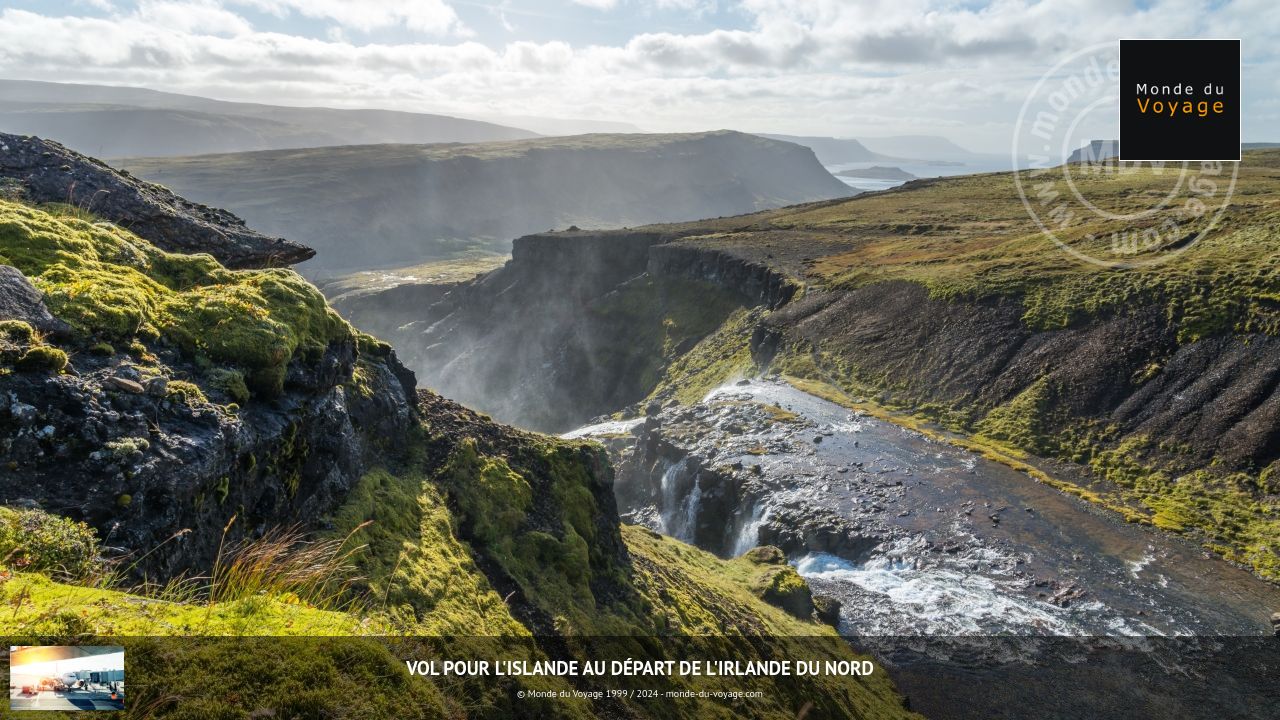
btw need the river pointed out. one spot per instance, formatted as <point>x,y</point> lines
<point>918,538</point>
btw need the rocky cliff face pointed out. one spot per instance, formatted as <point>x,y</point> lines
<point>379,206</point>
<point>151,394</point>
<point>577,323</point>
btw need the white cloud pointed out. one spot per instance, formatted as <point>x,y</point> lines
<point>800,66</point>
<point>192,16</point>
<point>597,4</point>
<point>426,16</point>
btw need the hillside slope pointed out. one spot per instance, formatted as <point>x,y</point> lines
<point>1152,391</point>
<point>197,451</point>
<point>365,207</point>
<point>109,121</point>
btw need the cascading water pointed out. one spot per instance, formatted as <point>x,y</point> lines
<point>671,496</point>
<point>749,533</point>
<point>914,536</point>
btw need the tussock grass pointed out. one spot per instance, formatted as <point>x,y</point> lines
<point>285,563</point>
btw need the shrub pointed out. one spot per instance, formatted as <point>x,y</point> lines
<point>42,358</point>
<point>38,541</point>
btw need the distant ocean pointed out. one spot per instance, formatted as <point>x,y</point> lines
<point>921,169</point>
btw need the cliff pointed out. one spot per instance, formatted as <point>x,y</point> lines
<point>1150,391</point>
<point>41,171</point>
<point>379,206</point>
<point>192,450</point>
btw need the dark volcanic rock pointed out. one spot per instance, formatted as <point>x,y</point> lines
<point>20,300</point>
<point>142,466</point>
<point>48,172</point>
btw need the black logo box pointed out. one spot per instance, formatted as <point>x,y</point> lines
<point>1180,65</point>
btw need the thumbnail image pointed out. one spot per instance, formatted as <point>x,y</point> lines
<point>66,677</point>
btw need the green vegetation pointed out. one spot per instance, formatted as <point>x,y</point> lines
<point>649,324</point>
<point>113,286</point>
<point>719,357</point>
<point>36,541</point>
<point>42,358</point>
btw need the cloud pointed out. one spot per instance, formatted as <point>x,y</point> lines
<point>192,16</point>
<point>801,66</point>
<point>426,16</point>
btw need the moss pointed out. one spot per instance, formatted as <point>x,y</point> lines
<point>34,540</point>
<point>124,500</point>
<point>42,358</point>
<point>185,392</point>
<point>126,448</point>
<point>1023,420</point>
<point>18,331</point>
<point>231,382</point>
<point>370,345</point>
<point>716,359</point>
<point>102,349</point>
<point>110,285</point>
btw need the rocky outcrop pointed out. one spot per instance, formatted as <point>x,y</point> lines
<point>577,324</point>
<point>42,171</point>
<point>761,284</point>
<point>377,206</point>
<point>141,457</point>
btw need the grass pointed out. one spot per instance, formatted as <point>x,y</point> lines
<point>285,563</point>
<point>969,238</point>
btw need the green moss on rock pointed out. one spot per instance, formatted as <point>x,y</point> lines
<point>42,358</point>
<point>110,285</point>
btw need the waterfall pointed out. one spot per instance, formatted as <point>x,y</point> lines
<point>670,492</point>
<point>749,534</point>
<point>689,526</point>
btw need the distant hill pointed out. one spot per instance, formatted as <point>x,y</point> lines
<point>379,206</point>
<point>1096,151</point>
<point>832,151</point>
<point>920,147</point>
<point>879,172</point>
<point>107,121</point>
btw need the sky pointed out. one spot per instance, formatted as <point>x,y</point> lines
<point>807,67</point>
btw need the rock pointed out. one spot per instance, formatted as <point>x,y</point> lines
<point>20,300</point>
<point>1275,623</point>
<point>827,609</point>
<point>125,384</point>
<point>766,555</point>
<point>150,211</point>
<point>157,386</point>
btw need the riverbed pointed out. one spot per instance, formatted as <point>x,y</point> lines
<point>940,541</point>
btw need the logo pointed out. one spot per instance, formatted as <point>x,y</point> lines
<point>1096,207</point>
